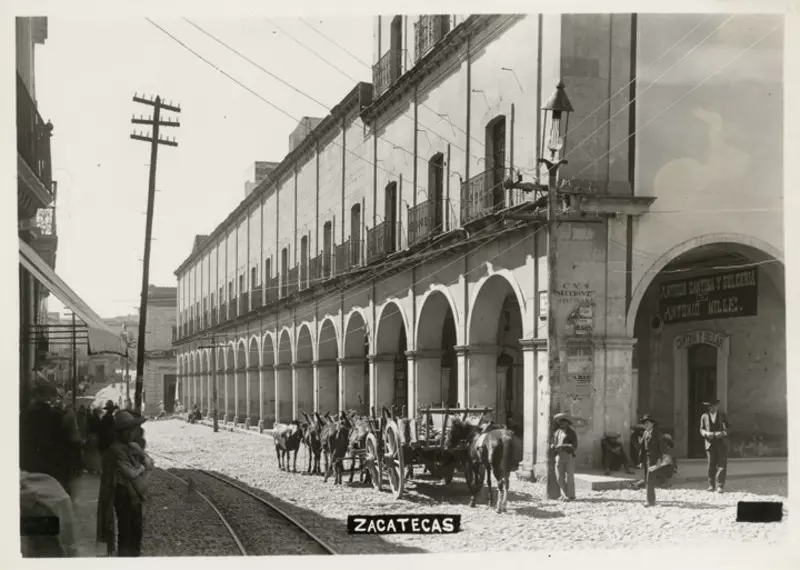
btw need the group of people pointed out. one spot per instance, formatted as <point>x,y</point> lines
<point>653,450</point>
<point>57,445</point>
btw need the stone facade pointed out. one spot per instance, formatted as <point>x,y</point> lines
<point>404,282</point>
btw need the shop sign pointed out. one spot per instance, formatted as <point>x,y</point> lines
<point>713,296</point>
<point>172,353</point>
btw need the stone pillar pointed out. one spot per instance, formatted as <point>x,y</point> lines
<point>482,389</point>
<point>261,399</point>
<point>428,375</point>
<point>381,372</point>
<point>327,385</point>
<point>315,385</point>
<point>303,379</point>
<point>543,420</point>
<point>284,393</point>
<point>351,382</point>
<point>531,348</point>
<point>237,375</point>
<point>200,390</point>
<point>462,362</point>
<point>618,386</point>
<point>251,375</point>
<point>411,355</point>
<point>228,414</point>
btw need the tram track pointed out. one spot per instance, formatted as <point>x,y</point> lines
<point>256,524</point>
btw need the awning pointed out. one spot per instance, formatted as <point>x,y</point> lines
<point>101,338</point>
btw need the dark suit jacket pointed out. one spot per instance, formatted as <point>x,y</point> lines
<point>707,427</point>
<point>651,447</point>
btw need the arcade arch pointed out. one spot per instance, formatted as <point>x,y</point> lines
<point>435,359</point>
<point>327,368</point>
<point>284,393</point>
<point>304,373</point>
<point>391,362</point>
<point>355,365</point>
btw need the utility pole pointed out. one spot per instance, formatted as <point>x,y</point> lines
<point>156,123</point>
<point>214,412</point>
<point>74,364</point>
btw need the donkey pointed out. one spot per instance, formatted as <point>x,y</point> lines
<point>313,443</point>
<point>287,439</point>
<point>335,440</point>
<point>492,447</point>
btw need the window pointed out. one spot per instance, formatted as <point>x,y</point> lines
<point>230,290</point>
<point>303,261</point>
<point>221,295</point>
<point>270,292</point>
<point>355,234</point>
<point>253,277</point>
<point>436,191</point>
<point>241,283</point>
<point>327,245</point>
<point>284,271</point>
<point>212,301</point>
<point>496,160</point>
<point>390,216</point>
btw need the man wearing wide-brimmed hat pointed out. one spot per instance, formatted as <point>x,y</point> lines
<point>650,454</point>
<point>564,444</point>
<point>121,490</point>
<point>105,432</point>
<point>714,430</point>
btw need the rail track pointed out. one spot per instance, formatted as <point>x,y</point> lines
<point>251,536</point>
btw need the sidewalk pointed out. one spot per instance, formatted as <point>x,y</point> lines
<point>85,491</point>
<point>689,471</point>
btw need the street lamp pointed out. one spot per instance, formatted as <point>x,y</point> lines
<point>554,135</point>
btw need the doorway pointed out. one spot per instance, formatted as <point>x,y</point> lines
<point>401,373</point>
<point>170,383</point>
<point>702,359</point>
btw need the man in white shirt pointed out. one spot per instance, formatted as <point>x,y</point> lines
<point>714,430</point>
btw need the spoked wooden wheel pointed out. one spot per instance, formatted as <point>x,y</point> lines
<point>374,463</point>
<point>393,458</point>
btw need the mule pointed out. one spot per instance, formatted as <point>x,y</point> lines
<point>335,442</point>
<point>287,438</point>
<point>491,448</point>
<point>313,442</point>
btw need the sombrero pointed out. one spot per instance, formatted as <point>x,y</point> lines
<point>109,405</point>
<point>562,416</point>
<point>126,420</point>
<point>647,418</point>
<point>714,402</point>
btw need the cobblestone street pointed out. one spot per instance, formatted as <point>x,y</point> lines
<point>686,516</point>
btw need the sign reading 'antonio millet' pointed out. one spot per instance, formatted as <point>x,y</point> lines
<point>716,296</point>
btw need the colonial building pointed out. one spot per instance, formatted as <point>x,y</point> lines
<point>384,260</point>
<point>160,369</point>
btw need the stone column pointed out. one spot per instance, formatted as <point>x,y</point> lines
<point>381,376</point>
<point>618,387</point>
<point>482,388</point>
<point>462,362</point>
<point>284,388</point>
<point>200,389</point>
<point>303,379</point>
<point>543,420</point>
<point>531,348</point>
<point>237,375</point>
<point>351,375</point>
<point>252,373</point>
<point>327,385</point>
<point>260,399</point>
<point>228,414</point>
<point>411,355</point>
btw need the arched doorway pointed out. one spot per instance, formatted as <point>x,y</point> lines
<point>240,384</point>
<point>304,373</point>
<point>267,402</point>
<point>327,368</point>
<point>391,363</point>
<point>435,360</point>
<point>355,393</point>
<point>283,379</point>
<point>252,387</point>
<point>495,355</point>
<point>711,324</point>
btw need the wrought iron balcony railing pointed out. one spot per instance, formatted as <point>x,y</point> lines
<point>342,258</point>
<point>381,240</point>
<point>257,296</point>
<point>33,136</point>
<point>293,280</point>
<point>271,289</point>
<point>484,194</point>
<point>389,68</point>
<point>244,303</point>
<point>428,30</point>
<point>424,221</point>
<point>314,270</point>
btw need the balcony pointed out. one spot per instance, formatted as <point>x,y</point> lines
<point>33,149</point>
<point>484,194</point>
<point>423,221</point>
<point>388,70</point>
<point>381,240</point>
<point>244,303</point>
<point>428,30</point>
<point>233,308</point>
<point>314,270</point>
<point>271,290</point>
<point>344,257</point>
<point>257,295</point>
<point>214,320</point>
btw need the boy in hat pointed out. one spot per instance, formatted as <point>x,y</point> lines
<point>714,430</point>
<point>650,455</point>
<point>564,444</point>
<point>121,487</point>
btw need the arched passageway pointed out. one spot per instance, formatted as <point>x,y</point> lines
<point>284,393</point>
<point>267,405</point>
<point>327,368</point>
<point>354,389</point>
<point>495,355</point>
<point>391,363</point>
<point>201,380</point>
<point>228,383</point>
<point>304,374</point>
<point>252,385</point>
<point>207,405</point>
<point>712,324</point>
<point>240,384</point>
<point>436,364</point>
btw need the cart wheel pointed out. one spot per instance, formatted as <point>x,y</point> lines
<point>393,458</point>
<point>373,460</point>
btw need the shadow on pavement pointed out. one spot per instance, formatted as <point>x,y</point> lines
<point>333,531</point>
<point>667,503</point>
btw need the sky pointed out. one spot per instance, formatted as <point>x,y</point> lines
<point>86,75</point>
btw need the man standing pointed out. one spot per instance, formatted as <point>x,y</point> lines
<point>564,444</point>
<point>714,430</point>
<point>650,455</point>
<point>106,432</point>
